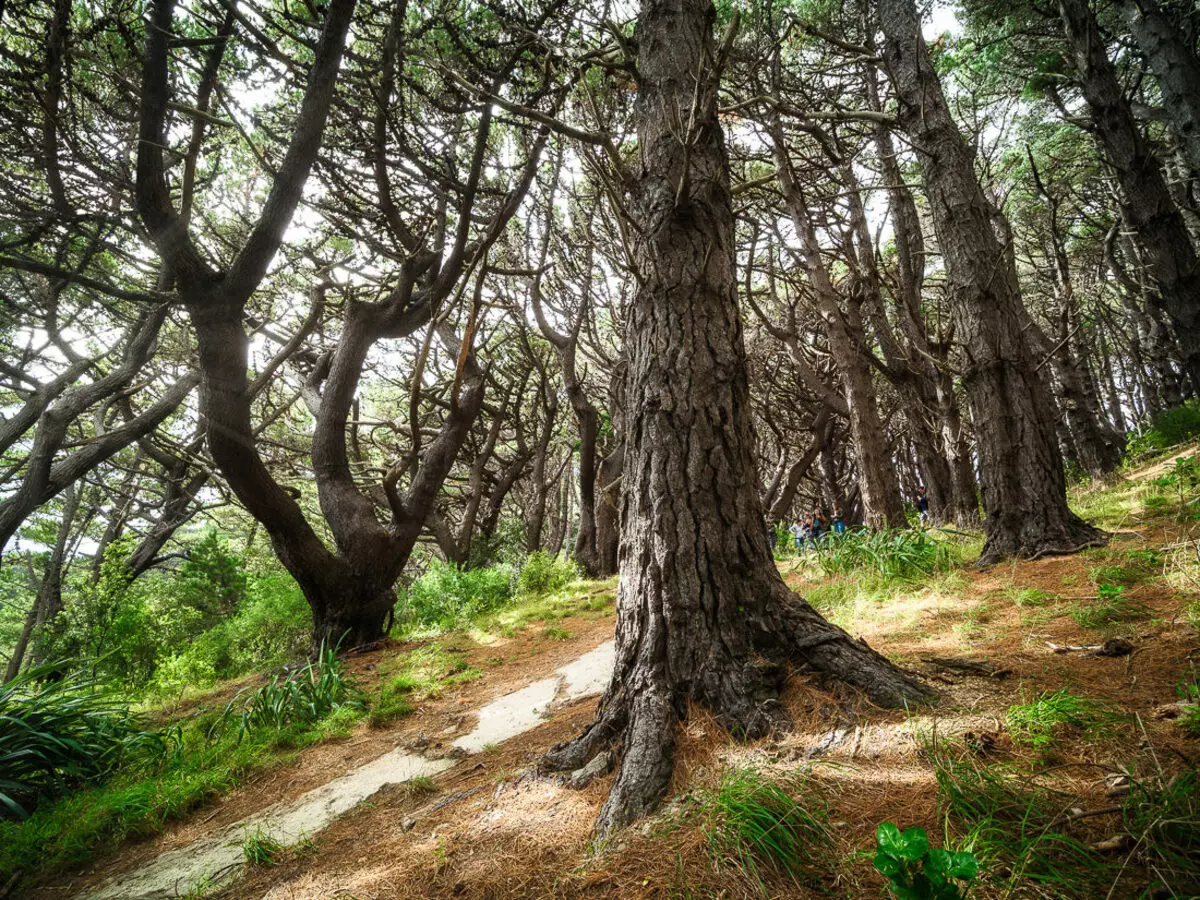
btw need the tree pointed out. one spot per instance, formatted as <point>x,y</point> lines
<point>703,614</point>
<point>1023,485</point>
<point>1145,200</point>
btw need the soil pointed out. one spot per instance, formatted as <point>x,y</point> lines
<point>493,828</point>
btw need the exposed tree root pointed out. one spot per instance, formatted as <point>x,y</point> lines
<point>641,708</point>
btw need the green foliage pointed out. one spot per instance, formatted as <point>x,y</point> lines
<point>417,675</point>
<point>901,555</point>
<point>1111,607</point>
<point>56,734</point>
<point>541,573</point>
<point>755,822</point>
<point>1180,483</point>
<point>110,623</point>
<point>307,695</point>
<point>261,849</point>
<point>1189,718</point>
<point>445,597</point>
<point>1165,431</point>
<point>1162,814</point>
<point>916,871</point>
<point>1038,722</point>
<point>212,580</point>
<point>271,626</point>
<point>143,794</point>
<point>1014,826</point>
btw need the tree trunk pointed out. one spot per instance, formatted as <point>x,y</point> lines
<point>49,600</point>
<point>1024,488</point>
<point>702,612</point>
<point>882,503</point>
<point>1175,67</point>
<point>1146,202</point>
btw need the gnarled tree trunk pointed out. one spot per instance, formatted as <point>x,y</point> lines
<point>702,612</point>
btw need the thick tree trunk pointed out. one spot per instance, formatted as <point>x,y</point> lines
<point>1024,488</point>
<point>1176,69</point>
<point>702,612</point>
<point>1146,202</point>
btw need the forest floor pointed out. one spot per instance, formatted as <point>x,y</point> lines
<point>1031,759</point>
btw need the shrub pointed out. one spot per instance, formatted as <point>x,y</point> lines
<point>271,627</point>
<point>541,573</point>
<point>916,871</point>
<point>63,733</point>
<point>1166,430</point>
<point>445,596</point>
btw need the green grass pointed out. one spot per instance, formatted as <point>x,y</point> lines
<point>1111,607</point>
<point>305,695</point>
<point>1162,814</point>
<point>409,678</point>
<point>1038,723</point>
<point>57,735</point>
<point>1014,825</point>
<point>764,826</point>
<point>261,849</point>
<point>889,556</point>
<point>144,794</point>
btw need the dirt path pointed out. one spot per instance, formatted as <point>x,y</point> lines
<point>216,859</point>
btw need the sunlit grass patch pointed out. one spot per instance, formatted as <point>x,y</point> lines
<point>1112,606</point>
<point>1040,721</point>
<point>1111,506</point>
<point>417,675</point>
<point>972,624</point>
<point>589,599</point>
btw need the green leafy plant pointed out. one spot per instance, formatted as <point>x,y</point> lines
<point>916,871</point>
<point>261,849</point>
<point>542,573</point>
<point>1189,718</point>
<point>306,695</point>
<point>1111,607</point>
<point>1166,430</point>
<point>57,732</point>
<point>1014,826</point>
<point>1180,482</point>
<point>906,555</point>
<point>445,597</point>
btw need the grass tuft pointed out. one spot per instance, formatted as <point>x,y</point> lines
<point>1037,723</point>
<point>261,849</point>
<point>760,825</point>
